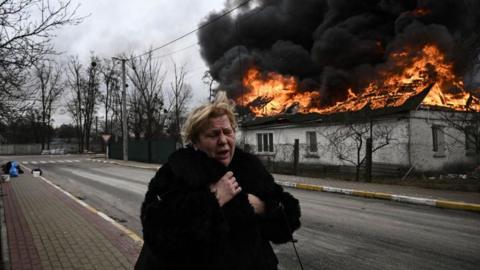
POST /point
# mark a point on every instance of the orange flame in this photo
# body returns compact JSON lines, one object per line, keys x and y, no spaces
{"x":274,"y":93}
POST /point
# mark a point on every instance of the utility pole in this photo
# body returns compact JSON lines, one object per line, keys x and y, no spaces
{"x":124,"y":109}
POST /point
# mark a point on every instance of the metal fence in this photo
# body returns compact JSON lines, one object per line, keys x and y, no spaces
{"x":138,"y":150}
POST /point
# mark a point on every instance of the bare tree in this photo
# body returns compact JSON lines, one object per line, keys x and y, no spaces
{"x":91,"y":94}
{"x":49,"y":85}
{"x":26,"y":30}
{"x":75,"y":106}
{"x":111,"y":80}
{"x":116,"y":123}
{"x":467,"y":123}
{"x":85,"y":96}
{"x":179,"y":95}
{"x":347,"y":142}
{"x":147,"y":78}
{"x":136,"y":114}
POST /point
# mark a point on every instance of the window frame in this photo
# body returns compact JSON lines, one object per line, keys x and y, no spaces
{"x":312,"y":148}
{"x":438,"y":141}
{"x":265,"y":143}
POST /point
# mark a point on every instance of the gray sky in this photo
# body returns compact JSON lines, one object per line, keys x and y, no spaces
{"x":125,"y":26}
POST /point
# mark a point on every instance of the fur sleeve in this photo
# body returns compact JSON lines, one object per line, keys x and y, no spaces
{"x":282,"y":216}
{"x":176,"y":219}
{"x":282,"y":210}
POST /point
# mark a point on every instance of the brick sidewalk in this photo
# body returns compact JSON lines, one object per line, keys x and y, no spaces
{"x":46,"y":229}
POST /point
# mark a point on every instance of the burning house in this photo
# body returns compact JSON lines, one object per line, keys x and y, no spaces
{"x":340,"y":84}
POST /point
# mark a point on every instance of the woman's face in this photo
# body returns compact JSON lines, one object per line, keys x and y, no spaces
{"x":218,"y":139}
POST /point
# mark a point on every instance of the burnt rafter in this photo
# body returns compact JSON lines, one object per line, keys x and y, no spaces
{"x":364,"y":114}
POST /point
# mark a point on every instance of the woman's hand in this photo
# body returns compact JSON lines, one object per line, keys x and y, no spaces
{"x":257,"y":204}
{"x":226,"y":188}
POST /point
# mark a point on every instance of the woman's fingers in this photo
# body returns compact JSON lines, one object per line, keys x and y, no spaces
{"x":236,"y":187}
{"x":227,"y":175}
{"x":257,"y":204}
{"x":226,"y":188}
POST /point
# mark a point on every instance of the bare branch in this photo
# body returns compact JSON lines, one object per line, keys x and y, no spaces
{"x":26,"y":30}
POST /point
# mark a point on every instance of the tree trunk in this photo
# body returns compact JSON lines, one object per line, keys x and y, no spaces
{"x":368,"y":160}
{"x":357,"y":172}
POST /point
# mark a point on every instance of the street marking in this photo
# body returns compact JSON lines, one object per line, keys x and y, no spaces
{"x":309,"y":187}
{"x":338,"y":190}
{"x":374,"y":195}
{"x":458,"y":205}
{"x":414,"y":200}
{"x":51,"y":161}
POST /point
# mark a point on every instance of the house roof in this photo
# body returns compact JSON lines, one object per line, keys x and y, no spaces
{"x":366,"y":113}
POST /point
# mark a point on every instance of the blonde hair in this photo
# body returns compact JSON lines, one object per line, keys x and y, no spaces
{"x":198,"y":118}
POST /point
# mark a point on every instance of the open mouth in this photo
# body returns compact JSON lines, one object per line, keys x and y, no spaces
{"x":223,"y":154}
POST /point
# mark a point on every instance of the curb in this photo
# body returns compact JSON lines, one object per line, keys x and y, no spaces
{"x":119,"y":226}
{"x":385,"y":196}
{"x":5,"y":260}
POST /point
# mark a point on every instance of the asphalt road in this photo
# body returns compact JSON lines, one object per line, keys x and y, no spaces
{"x":338,"y":231}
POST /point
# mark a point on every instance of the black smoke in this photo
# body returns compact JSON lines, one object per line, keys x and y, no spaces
{"x":334,"y":45}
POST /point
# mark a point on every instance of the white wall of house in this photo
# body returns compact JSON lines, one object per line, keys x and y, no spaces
{"x":451,"y":142}
{"x":411,"y":143}
{"x":396,"y":152}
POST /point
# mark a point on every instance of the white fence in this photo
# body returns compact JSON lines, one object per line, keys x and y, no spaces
{"x":36,"y":149}
{"x":20,"y":149}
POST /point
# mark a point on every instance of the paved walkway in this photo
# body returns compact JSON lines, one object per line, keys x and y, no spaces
{"x":47,"y":229}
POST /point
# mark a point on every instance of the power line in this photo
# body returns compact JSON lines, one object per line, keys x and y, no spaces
{"x":195,"y":30}
{"x":174,"y":52}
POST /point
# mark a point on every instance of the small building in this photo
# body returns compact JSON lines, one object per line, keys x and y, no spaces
{"x":411,"y":138}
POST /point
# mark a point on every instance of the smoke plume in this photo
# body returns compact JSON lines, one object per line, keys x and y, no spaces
{"x":333,"y":45}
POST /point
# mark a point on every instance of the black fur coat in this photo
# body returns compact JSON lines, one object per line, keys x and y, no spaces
{"x":184,"y":227}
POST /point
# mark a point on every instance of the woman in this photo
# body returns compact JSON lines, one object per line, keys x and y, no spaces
{"x":212,"y":206}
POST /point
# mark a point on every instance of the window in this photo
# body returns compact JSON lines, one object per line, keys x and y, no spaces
{"x":264,"y":142}
{"x":438,"y":139}
{"x":312,"y":142}
{"x":470,"y":140}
